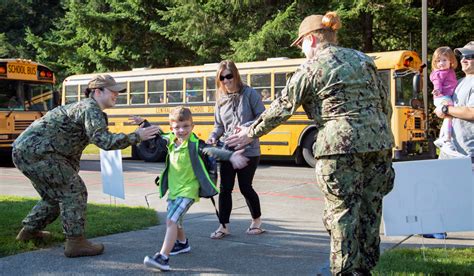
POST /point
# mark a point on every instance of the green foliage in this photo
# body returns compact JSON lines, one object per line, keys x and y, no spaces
{"x":19,"y":15}
{"x":272,"y":40}
{"x":453,"y":30}
{"x":217,"y":29}
{"x":6,"y":49}
{"x":426,"y":261}
{"x":101,"y":220}
{"x":107,"y":35}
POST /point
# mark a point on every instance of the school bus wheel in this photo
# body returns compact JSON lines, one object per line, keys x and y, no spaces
{"x":307,"y":148}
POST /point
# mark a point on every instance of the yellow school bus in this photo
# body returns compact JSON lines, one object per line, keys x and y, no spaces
{"x":26,"y":94}
{"x":151,"y":93}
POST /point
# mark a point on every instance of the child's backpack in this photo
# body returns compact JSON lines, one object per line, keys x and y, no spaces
{"x":211,"y":166}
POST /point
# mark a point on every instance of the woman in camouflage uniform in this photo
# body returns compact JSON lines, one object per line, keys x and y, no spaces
{"x":48,"y":152}
{"x":340,"y":89}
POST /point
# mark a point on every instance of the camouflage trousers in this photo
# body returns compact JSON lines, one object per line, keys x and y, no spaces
{"x":61,"y":189}
{"x":353,"y":186}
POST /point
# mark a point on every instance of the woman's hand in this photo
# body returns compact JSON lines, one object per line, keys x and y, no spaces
{"x":239,"y":139}
{"x":238,"y":160}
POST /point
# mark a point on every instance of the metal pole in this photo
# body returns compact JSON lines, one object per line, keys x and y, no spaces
{"x":424,"y":55}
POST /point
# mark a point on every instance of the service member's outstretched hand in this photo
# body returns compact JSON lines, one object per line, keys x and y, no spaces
{"x":147,"y":133}
{"x":238,"y":160}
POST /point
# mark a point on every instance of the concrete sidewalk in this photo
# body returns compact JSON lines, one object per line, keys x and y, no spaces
{"x":295,"y":242}
{"x":292,"y":244}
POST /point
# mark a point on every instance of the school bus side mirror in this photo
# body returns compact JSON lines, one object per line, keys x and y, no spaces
{"x":416,"y":85}
{"x":56,"y":98}
{"x":415,"y":102}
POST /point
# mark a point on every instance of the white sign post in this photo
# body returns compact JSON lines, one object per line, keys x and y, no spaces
{"x":112,"y":174}
{"x":430,"y":196}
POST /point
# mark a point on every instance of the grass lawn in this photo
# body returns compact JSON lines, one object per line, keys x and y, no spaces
{"x":410,"y":261}
{"x":101,"y":220}
{"x":93,"y":149}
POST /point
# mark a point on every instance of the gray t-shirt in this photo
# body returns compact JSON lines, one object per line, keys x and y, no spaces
{"x":463,"y":130}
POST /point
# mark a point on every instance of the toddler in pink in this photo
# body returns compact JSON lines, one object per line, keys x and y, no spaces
{"x":444,"y":82}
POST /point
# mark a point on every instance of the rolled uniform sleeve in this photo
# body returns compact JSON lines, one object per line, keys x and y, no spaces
{"x":293,"y":96}
{"x":95,"y":124}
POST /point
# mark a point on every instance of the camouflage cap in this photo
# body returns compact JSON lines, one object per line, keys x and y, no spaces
{"x":106,"y":81}
{"x":466,"y":50}
{"x":310,"y":23}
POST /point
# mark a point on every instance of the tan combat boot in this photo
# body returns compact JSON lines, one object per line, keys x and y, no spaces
{"x":26,"y":235}
{"x":80,"y":246}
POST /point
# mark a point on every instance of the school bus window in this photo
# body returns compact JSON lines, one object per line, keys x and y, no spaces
{"x":8,"y":93}
{"x":137,"y":92}
{"x":38,"y":97}
{"x":174,"y":89}
{"x":280,"y":83}
{"x":82,"y":89}
{"x":262,"y":84}
{"x":71,"y":94}
{"x":155,"y":91}
{"x":211,"y":89}
{"x":122,"y":98}
{"x":403,"y":88}
{"x":194,"y":90}
{"x":385,"y":76}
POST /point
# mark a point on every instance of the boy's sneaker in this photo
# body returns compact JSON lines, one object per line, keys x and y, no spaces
{"x":439,"y":236}
{"x":180,"y":248}
{"x":158,"y":261}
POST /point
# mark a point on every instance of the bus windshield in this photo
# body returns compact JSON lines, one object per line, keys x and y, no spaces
{"x":20,"y":95}
{"x":404,"y":87}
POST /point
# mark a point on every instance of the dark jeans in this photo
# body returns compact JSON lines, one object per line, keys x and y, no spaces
{"x":245,"y":177}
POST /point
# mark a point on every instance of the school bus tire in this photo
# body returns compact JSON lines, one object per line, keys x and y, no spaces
{"x":307,"y":148}
{"x":152,"y":151}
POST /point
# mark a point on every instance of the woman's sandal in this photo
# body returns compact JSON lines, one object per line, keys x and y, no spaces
{"x":217,"y":235}
{"x":255,"y":231}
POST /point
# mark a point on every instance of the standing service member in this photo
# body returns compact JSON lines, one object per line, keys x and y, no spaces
{"x":340,"y":89}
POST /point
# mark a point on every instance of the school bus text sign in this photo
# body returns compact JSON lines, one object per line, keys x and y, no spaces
{"x":21,"y":71}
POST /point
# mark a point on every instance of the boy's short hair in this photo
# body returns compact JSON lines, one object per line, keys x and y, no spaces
{"x":180,"y":113}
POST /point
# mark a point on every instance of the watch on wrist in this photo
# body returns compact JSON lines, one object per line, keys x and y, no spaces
{"x":444,"y":109}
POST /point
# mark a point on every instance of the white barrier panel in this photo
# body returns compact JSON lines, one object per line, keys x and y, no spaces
{"x":112,"y":174}
{"x":430,"y":196}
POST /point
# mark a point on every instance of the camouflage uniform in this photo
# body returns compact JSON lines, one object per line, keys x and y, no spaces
{"x":48,"y":153}
{"x":341,"y":91}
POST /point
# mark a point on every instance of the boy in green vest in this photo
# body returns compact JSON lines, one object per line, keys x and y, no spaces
{"x":187,"y":179}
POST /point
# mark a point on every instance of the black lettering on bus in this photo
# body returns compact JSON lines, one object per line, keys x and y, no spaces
{"x":31,"y":70}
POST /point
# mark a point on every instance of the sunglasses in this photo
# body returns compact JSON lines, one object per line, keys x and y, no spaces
{"x":468,"y":57}
{"x":228,"y":76}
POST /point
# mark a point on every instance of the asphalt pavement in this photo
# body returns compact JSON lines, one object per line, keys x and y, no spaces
{"x":295,"y":240}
